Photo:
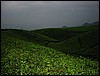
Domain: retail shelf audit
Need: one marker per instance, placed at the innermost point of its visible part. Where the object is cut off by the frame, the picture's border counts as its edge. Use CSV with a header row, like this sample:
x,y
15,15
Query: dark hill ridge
x,y
57,33
91,24
72,45
62,34
64,27
27,35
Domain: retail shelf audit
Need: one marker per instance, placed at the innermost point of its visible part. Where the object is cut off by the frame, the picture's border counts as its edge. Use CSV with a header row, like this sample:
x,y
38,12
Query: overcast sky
x,y
47,14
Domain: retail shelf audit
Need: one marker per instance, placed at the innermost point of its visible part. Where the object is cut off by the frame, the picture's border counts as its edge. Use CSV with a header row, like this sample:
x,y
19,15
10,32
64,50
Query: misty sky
x,y
47,14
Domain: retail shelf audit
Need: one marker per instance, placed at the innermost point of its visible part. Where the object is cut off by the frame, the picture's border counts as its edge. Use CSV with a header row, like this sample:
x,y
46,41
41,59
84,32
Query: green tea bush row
x,y
25,58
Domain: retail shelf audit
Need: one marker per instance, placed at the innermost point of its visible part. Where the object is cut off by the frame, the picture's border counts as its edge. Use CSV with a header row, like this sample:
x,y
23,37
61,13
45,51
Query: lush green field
x,y
20,57
38,52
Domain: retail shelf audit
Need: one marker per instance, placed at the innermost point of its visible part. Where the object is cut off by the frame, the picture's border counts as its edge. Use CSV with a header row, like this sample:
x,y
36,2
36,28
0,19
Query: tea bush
x,y
20,57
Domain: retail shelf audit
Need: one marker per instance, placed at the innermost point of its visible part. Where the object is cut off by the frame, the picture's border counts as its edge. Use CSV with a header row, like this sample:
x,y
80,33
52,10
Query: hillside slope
x,y
27,36
62,34
20,57
91,24
80,44
59,34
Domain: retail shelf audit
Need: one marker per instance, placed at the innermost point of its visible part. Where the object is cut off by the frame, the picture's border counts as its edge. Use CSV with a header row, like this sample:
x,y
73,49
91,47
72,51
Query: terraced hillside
x,y
79,45
75,40
54,51
64,33
27,36
20,57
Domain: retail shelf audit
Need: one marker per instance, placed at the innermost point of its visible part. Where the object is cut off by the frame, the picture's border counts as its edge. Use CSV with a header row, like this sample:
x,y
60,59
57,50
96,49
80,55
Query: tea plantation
x,y
26,53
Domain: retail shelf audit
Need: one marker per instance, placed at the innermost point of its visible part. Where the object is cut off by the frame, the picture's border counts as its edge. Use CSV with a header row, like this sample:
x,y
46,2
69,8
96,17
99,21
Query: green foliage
x,y
26,36
83,28
64,33
58,33
88,40
22,52
25,58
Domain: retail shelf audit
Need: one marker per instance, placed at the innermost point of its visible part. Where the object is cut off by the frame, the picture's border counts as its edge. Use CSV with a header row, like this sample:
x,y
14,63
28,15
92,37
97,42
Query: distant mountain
x,y
95,23
64,27
86,24
91,24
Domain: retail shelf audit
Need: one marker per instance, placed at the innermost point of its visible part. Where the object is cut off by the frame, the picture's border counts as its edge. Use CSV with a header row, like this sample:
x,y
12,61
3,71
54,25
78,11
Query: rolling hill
x,y
26,35
79,43
61,34
19,57
52,51
91,24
